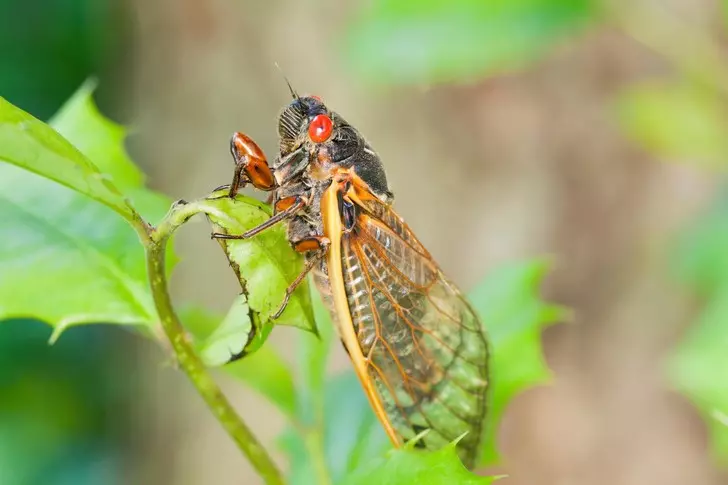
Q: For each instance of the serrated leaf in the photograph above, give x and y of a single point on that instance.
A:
(678, 121)
(34, 146)
(97, 137)
(265, 264)
(64, 258)
(411, 466)
(514, 316)
(230, 336)
(438, 41)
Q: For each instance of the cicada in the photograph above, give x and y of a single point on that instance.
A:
(416, 344)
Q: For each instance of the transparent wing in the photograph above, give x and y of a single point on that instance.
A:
(425, 349)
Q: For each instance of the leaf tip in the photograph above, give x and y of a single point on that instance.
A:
(410, 445)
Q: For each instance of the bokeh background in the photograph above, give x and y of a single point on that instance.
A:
(591, 132)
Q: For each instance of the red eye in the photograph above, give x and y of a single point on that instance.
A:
(320, 128)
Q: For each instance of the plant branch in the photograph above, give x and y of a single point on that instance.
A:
(186, 356)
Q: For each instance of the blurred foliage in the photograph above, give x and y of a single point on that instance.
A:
(48, 48)
(687, 121)
(508, 300)
(677, 120)
(53, 407)
(439, 41)
(700, 363)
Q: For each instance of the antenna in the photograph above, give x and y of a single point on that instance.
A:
(294, 94)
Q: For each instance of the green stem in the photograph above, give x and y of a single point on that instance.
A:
(188, 360)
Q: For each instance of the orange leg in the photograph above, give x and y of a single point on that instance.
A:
(251, 165)
(298, 204)
(320, 244)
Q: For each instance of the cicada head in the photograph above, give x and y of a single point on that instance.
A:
(315, 141)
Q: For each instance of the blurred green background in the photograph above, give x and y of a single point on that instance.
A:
(594, 132)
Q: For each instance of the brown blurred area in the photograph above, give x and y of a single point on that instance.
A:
(513, 167)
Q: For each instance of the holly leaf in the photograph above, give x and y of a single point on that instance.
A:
(409, 465)
(65, 258)
(32, 145)
(440, 41)
(233, 334)
(265, 264)
(514, 315)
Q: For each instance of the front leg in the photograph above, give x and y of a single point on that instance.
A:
(251, 165)
(285, 209)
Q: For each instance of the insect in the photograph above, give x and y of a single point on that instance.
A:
(417, 346)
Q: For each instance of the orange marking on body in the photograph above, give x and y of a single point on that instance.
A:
(307, 245)
(285, 203)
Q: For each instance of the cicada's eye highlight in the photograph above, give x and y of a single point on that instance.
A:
(320, 128)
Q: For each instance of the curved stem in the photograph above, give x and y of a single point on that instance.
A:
(186, 356)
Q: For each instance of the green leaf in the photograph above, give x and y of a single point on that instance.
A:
(677, 121)
(440, 41)
(514, 316)
(230, 336)
(411, 466)
(64, 258)
(699, 364)
(34, 146)
(265, 264)
(98, 138)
